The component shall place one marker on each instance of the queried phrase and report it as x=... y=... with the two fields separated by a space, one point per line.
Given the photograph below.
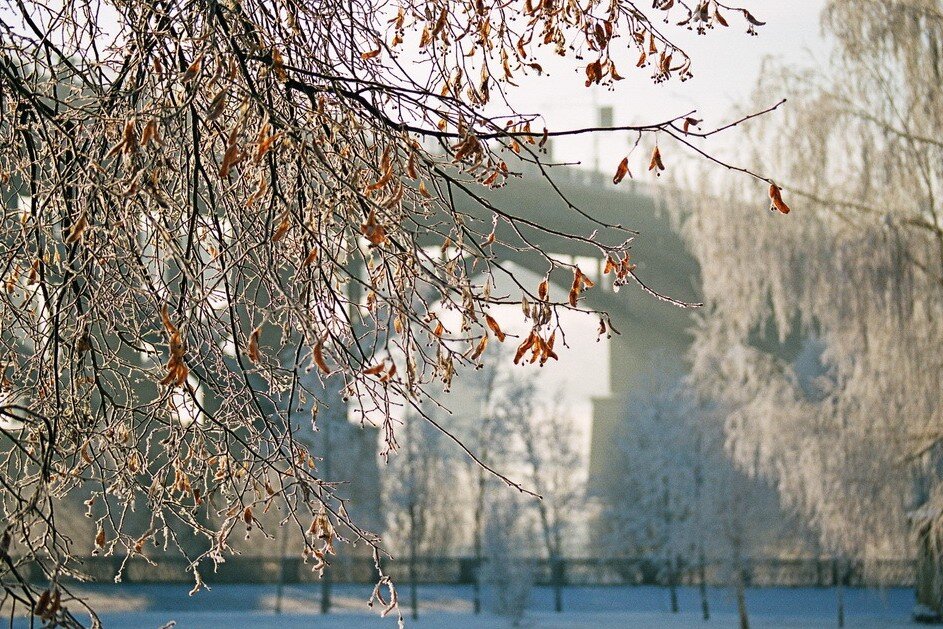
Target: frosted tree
x=508 y=546
x=554 y=467
x=487 y=426
x=685 y=504
x=204 y=202
x=529 y=439
x=663 y=469
x=823 y=339
x=421 y=510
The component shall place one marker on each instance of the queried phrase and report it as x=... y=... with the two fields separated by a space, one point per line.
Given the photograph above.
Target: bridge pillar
x=643 y=355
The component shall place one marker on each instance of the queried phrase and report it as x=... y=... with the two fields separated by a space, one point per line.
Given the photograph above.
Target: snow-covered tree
x=663 y=468
x=496 y=396
x=555 y=469
x=508 y=547
x=422 y=512
x=685 y=504
x=822 y=343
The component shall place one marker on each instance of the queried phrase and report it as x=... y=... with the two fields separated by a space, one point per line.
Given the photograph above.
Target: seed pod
x=317 y=355
x=776 y=199
x=77 y=230
x=622 y=171
x=656 y=162
x=480 y=348
x=193 y=70
x=495 y=327
x=253 y=350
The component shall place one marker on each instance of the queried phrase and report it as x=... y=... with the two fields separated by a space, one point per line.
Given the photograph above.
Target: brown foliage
x=214 y=165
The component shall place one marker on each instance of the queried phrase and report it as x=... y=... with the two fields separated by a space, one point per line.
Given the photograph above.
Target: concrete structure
x=648 y=326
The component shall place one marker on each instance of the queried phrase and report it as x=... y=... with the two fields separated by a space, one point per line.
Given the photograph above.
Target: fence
x=757 y=572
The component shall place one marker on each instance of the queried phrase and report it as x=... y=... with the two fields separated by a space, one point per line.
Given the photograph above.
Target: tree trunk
x=326 y=592
x=556 y=568
x=328 y=574
x=476 y=586
x=702 y=586
x=929 y=603
x=667 y=544
x=280 y=588
x=673 y=584
x=742 y=600
x=413 y=585
x=476 y=537
x=483 y=454
x=839 y=591
x=701 y=561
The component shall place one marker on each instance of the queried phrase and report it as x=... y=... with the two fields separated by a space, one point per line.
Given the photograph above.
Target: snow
x=547 y=620
x=228 y=606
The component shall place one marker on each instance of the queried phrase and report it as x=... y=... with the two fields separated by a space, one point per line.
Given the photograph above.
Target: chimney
x=605 y=120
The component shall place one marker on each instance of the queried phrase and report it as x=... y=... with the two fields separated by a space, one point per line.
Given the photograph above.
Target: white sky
x=726 y=65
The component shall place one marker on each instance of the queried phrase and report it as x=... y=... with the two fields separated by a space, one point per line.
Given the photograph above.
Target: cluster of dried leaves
x=220 y=217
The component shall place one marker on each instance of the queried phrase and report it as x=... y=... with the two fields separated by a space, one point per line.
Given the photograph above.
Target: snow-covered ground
x=547 y=620
x=237 y=606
